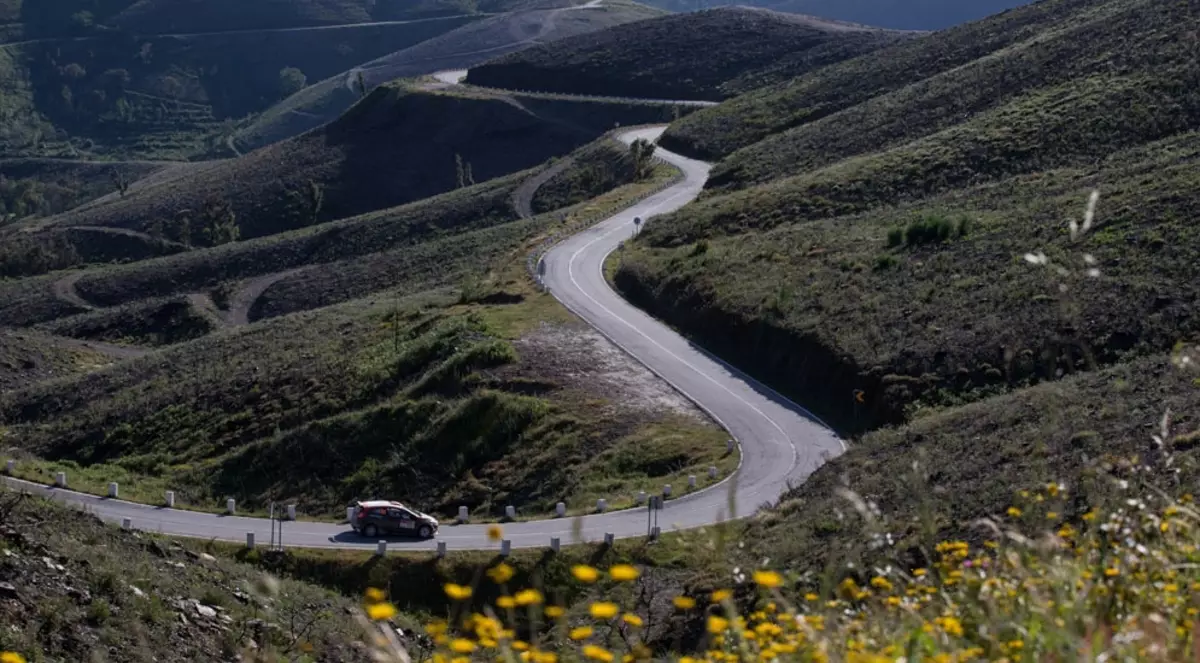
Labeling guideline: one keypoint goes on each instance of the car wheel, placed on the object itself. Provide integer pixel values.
(425, 532)
(371, 531)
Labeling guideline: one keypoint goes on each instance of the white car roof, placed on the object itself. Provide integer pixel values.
(373, 503)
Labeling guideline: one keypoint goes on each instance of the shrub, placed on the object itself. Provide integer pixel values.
(932, 229)
(895, 237)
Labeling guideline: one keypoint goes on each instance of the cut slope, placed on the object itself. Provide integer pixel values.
(704, 55)
(458, 49)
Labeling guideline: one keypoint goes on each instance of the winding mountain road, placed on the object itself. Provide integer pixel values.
(781, 444)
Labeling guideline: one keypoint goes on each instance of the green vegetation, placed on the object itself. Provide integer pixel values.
(474, 395)
(848, 308)
(703, 55)
(928, 15)
(528, 22)
(73, 585)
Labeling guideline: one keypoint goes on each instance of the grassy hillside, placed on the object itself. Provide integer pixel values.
(493, 394)
(43, 187)
(707, 55)
(398, 145)
(75, 587)
(534, 22)
(917, 15)
(899, 271)
(172, 96)
(27, 357)
(1002, 46)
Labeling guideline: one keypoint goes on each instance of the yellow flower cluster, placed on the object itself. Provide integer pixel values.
(1124, 582)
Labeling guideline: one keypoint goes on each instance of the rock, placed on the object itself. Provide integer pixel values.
(178, 565)
(8, 591)
(241, 596)
(207, 557)
(205, 611)
(80, 595)
(137, 592)
(183, 619)
(51, 565)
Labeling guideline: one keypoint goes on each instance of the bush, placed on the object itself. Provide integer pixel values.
(932, 229)
(895, 237)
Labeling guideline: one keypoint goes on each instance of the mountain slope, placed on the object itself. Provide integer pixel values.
(458, 49)
(895, 14)
(895, 229)
(703, 55)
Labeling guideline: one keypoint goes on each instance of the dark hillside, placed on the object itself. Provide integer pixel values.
(534, 23)
(702, 55)
(178, 16)
(716, 132)
(895, 14)
(1125, 68)
(396, 146)
(896, 229)
(171, 95)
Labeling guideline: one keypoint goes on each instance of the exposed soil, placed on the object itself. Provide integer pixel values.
(578, 358)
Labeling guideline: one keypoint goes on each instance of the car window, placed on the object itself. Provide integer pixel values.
(408, 514)
(396, 513)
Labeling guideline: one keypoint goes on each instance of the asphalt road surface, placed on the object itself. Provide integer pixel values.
(780, 443)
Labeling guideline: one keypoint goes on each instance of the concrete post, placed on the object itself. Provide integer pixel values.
(555, 543)
(608, 538)
(291, 511)
(170, 499)
(729, 446)
(691, 481)
(667, 490)
(10, 466)
(381, 548)
(505, 548)
(462, 514)
(126, 523)
(349, 514)
(601, 505)
(655, 533)
(250, 540)
(230, 506)
(560, 509)
(641, 497)
(113, 489)
(510, 512)
(712, 472)
(60, 479)
(441, 550)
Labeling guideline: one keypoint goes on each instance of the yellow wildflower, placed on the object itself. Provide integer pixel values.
(457, 592)
(1014, 512)
(494, 533)
(462, 646)
(554, 611)
(501, 573)
(623, 573)
(632, 619)
(768, 578)
(598, 653)
(11, 657)
(506, 602)
(584, 573)
(684, 602)
(721, 595)
(717, 624)
(604, 610)
(1112, 572)
(381, 611)
(811, 597)
(529, 597)
(581, 633)
(375, 595)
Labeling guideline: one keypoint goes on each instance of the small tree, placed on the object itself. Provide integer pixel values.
(362, 84)
(306, 204)
(119, 181)
(642, 152)
(219, 223)
(291, 81)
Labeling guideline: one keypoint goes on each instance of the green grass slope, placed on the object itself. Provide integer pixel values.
(75, 587)
(458, 49)
(399, 144)
(707, 55)
(916, 15)
(982, 46)
(900, 272)
(172, 96)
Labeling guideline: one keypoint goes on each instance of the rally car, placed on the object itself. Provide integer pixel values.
(375, 517)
